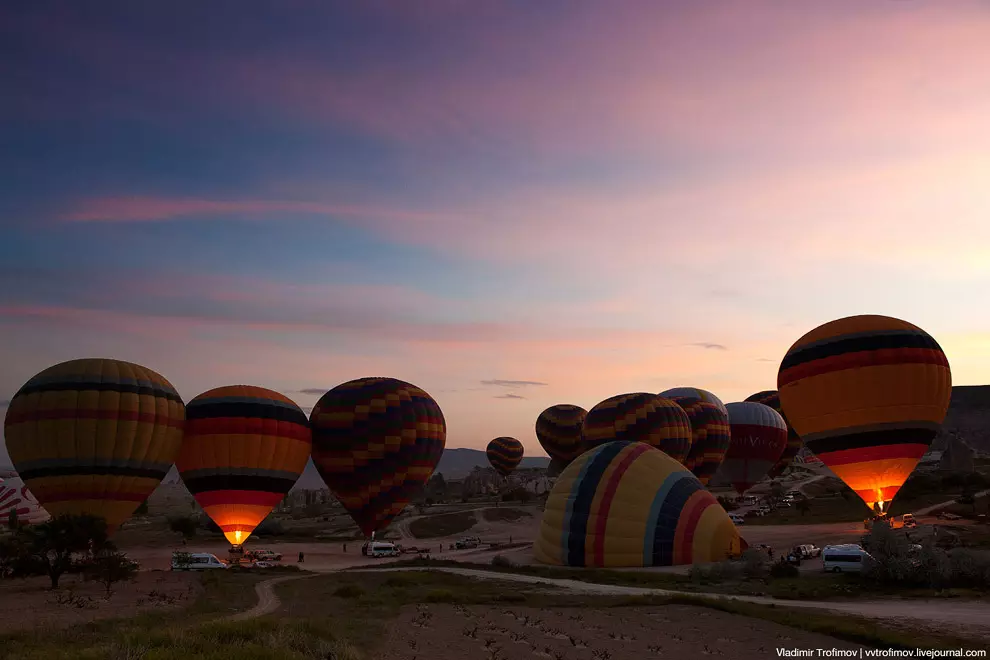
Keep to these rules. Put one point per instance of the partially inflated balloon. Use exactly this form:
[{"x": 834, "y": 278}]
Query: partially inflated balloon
[
  {"x": 94, "y": 436},
  {"x": 772, "y": 398},
  {"x": 504, "y": 454},
  {"x": 558, "y": 428},
  {"x": 639, "y": 417},
  {"x": 627, "y": 504},
  {"x": 244, "y": 449},
  {"x": 759, "y": 435},
  {"x": 376, "y": 442},
  {"x": 709, "y": 429},
  {"x": 867, "y": 394}
]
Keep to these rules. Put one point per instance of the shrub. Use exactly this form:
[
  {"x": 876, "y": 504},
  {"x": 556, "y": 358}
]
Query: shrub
[
  {"x": 727, "y": 503},
  {"x": 784, "y": 570},
  {"x": 755, "y": 564},
  {"x": 715, "y": 573},
  {"x": 503, "y": 561},
  {"x": 185, "y": 525},
  {"x": 970, "y": 567},
  {"x": 349, "y": 591}
]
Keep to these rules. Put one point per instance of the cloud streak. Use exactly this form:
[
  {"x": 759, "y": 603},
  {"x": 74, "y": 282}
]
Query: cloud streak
[
  {"x": 500, "y": 382},
  {"x": 710, "y": 345},
  {"x": 509, "y": 396}
]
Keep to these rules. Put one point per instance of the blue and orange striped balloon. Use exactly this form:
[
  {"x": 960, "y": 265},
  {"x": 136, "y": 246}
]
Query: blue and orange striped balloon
[
  {"x": 628, "y": 504},
  {"x": 244, "y": 449},
  {"x": 94, "y": 436},
  {"x": 376, "y": 442},
  {"x": 639, "y": 417},
  {"x": 504, "y": 454}
]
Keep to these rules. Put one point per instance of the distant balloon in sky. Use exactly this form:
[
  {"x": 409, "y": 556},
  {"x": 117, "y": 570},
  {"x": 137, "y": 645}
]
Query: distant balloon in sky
[
  {"x": 709, "y": 429},
  {"x": 94, "y": 436},
  {"x": 376, "y": 442},
  {"x": 639, "y": 417},
  {"x": 628, "y": 504},
  {"x": 558, "y": 428},
  {"x": 772, "y": 398},
  {"x": 867, "y": 394},
  {"x": 759, "y": 435},
  {"x": 504, "y": 454},
  {"x": 244, "y": 449}
]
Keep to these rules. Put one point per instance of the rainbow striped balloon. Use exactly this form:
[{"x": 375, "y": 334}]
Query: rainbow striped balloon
[
  {"x": 504, "y": 454},
  {"x": 628, "y": 504}
]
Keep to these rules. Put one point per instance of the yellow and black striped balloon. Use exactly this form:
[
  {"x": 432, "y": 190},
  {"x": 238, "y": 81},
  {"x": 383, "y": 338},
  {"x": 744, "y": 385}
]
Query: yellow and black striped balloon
[
  {"x": 867, "y": 394},
  {"x": 558, "y": 428},
  {"x": 639, "y": 417},
  {"x": 94, "y": 436},
  {"x": 504, "y": 454}
]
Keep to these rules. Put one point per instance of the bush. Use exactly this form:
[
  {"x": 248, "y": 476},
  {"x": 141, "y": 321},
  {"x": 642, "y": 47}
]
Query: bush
[
  {"x": 715, "y": 573},
  {"x": 970, "y": 567},
  {"x": 503, "y": 561},
  {"x": 784, "y": 570},
  {"x": 185, "y": 525},
  {"x": 727, "y": 503},
  {"x": 756, "y": 564},
  {"x": 349, "y": 591}
]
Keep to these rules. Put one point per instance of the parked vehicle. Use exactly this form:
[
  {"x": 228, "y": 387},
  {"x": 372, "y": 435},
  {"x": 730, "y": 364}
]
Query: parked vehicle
[
  {"x": 847, "y": 558},
  {"x": 907, "y": 520},
  {"x": 794, "y": 494},
  {"x": 265, "y": 555},
  {"x": 807, "y": 551},
  {"x": 379, "y": 549},
  {"x": 736, "y": 519},
  {"x": 196, "y": 561},
  {"x": 467, "y": 542}
]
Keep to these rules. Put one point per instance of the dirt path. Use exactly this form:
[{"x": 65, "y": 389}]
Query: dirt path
[
  {"x": 268, "y": 602},
  {"x": 969, "y": 616},
  {"x": 935, "y": 507}
]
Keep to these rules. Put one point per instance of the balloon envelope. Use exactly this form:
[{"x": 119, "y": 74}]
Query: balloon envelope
[
  {"x": 94, "y": 436},
  {"x": 376, "y": 442},
  {"x": 628, "y": 504},
  {"x": 772, "y": 398},
  {"x": 504, "y": 454},
  {"x": 639, "y": 417},
  {"x": 867, "y": 394},
  {"x": 709, "y": 429},
  {"x": 759, "y": 435},
  {"x": 244, "y": 449},
  {"x": 558, "y": 428}
]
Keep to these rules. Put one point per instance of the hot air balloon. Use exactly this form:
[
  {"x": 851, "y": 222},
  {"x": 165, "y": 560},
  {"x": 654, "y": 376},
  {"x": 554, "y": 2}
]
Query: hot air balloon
[
  {"x": 759, "y": 435},
  {"x": 376, "y": 442},
  {"x": 244, "y": 449},
  {"x": 867, "y": 394},
  {"x": 628, "y": 504},
  {"x": 709, "y": 429},
  {"x": 558, "y": 428},
  {"x": 94, "y": 436},
  {"x": 504, "y": 454},
  {"x": 772, "y": 398},
  {"x": 639, "y": 417}
]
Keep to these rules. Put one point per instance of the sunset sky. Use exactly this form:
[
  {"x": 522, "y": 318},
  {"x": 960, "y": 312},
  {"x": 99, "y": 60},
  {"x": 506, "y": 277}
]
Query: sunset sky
[{"x": 510, "y": 204}]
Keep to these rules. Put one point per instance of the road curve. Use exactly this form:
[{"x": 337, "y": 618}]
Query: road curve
[
  {"x": 970, "y": 616},
  {"x": 268, "y": 602}
]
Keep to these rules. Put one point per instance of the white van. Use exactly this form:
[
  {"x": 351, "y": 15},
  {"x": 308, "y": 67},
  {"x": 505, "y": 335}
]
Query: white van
[
  {"x": 379, "y": 549},
  {"x": 195, "y": 561},
  {"x": 847, "y": 558}
]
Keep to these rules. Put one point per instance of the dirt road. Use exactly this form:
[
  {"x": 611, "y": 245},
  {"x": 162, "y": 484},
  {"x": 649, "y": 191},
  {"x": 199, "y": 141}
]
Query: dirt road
[{"x": 268, "y": 601}]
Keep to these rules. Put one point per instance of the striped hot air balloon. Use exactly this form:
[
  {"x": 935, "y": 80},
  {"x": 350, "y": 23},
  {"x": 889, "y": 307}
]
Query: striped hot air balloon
[
  {"x": 772, "y": 398},
  {"x": 639, "y": 417},
  {"x": 376, "y": 442},
  {"x": 558, "y": 428},
  {"x": 504, "y": 454},
  {"x": 759, "y": 435},
  {"x": 709, "y": 429},
  {"x": 628, "y": 504},
  {"x": 94, "y": 436},
  {"x": 867, "y": 394},
  {"x": 244, "y": 449}
]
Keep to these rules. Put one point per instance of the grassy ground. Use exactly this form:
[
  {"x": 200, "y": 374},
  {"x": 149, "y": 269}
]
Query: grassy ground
[
  {"x": 504, "y": 514},
  {"x": 447, "y": 524},
  {"x": 346, "y": 615}
]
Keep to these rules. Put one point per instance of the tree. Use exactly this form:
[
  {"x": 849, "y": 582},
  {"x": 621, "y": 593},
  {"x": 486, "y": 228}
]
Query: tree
[
  {"x": 185, "y": 525},
  {"x": 53, "y": 544},
  {"x": 803, "y": 505},
  {"x": 110, "y": 567}
]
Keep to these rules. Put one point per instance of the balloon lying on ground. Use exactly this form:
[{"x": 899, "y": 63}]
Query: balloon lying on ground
[
  {"x": 709, "y": 429},
  {"x": 244, "y": 449},
  {"x": 504, "y": 454},
  {"x": 639, "y": 417},
  {"x": 867, "y": 394},
  {"x": 628, "y": 504},
  {"x": 772, "y": 398},
  {"x": 558, "y": 428},
  {"x": 759, "y": 435},
  {"x": 94, "y": 436},
  {"x": 376, "y": 442}
]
